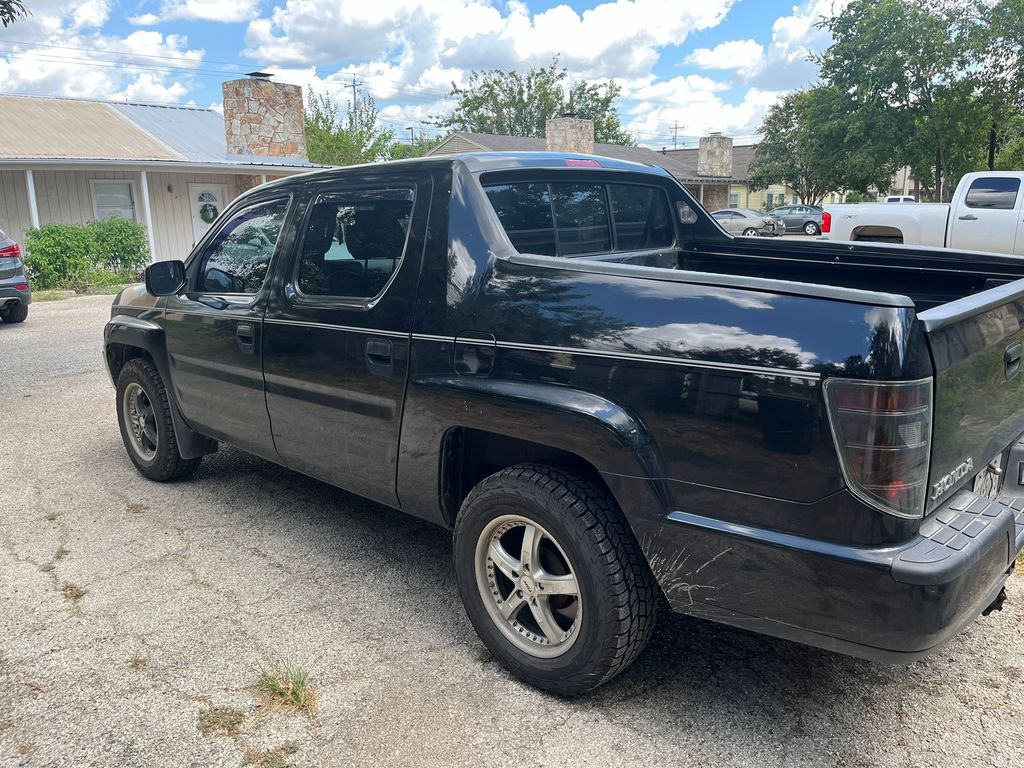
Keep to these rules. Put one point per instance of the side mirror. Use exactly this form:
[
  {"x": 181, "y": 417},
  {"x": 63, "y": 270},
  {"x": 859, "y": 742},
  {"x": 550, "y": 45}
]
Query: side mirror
[{"x": 165, "y": 278}]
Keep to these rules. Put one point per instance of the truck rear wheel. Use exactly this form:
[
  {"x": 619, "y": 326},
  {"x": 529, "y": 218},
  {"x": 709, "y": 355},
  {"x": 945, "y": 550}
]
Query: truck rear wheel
[
  {"x": 552, "y": 578},
  {"x": 144, "y": 416}
]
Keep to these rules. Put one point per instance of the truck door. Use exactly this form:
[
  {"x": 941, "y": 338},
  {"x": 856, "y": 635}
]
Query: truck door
[
  {"x": 336, "y": 346},
  {"x": 213, "y": 331},
  {"x": 987, "y": 216}
]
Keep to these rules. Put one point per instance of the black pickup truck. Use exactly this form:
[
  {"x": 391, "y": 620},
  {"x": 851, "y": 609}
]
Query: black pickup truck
[{"x": 607, "y": 398}]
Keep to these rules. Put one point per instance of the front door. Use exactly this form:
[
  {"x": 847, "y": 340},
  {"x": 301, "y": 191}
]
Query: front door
[
  {"x": 337, "y": 336},
  {"x": 206, "y": 202},
  {"x": 214, "y": 330},
  {"x": 986, "y": 218}
]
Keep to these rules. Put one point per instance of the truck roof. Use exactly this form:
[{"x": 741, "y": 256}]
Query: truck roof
[{"x": 481, "y": 162}]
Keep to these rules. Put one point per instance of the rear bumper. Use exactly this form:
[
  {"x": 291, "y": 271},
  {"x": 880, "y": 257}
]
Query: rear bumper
[
  {"x": 894, "y": 603},
  {"x": 9, "y": 294}
]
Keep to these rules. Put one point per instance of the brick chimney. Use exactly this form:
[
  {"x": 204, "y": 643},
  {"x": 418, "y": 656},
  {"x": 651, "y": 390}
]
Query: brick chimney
[
  {"x": 569, "y": 134},
  {"x": 263, "y": 118},
  {"x": 714, "y": 157}
]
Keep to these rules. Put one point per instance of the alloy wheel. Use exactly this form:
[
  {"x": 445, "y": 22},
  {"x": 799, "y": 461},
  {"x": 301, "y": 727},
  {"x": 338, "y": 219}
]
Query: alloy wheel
[
  {"x": 528, "y": 586},
  {"x": 140, "y": 418}
]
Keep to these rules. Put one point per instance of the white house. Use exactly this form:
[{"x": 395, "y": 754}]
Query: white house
[{"x": 171, "y": 168}]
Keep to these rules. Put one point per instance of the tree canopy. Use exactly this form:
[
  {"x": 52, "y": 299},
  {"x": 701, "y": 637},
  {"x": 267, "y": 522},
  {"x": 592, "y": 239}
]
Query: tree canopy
[
  {"x": 12, "y": 10},
  {"x": 515, "y": 103}
]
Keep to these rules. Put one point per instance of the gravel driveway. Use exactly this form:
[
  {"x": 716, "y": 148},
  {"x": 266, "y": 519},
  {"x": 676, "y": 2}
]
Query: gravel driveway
[{"x": 128, "y": 609}]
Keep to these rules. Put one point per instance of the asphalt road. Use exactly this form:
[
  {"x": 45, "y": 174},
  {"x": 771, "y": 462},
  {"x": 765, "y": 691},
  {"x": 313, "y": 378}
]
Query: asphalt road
[{"x": 189, "y": 587}]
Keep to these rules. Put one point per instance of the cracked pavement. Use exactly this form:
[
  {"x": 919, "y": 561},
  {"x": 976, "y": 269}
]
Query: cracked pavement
[{"x": 189, "y": 586}]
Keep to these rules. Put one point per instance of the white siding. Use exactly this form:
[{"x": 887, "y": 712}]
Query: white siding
[
  {"x": 172, "y": 216},
  {"x": 66, "y": 197},
  {"x": 15, "y": 218}
]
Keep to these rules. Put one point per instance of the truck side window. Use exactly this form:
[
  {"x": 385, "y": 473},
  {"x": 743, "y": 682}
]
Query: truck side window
[
  {"x": 641, "y": 217},
  {"x": 525, "y": 212},
  {"x": 581, "y": 214},
  {"x": 995, "y": 193},
  {"x": 354, "y": 242},
  {"x": 239, "y": 256}
]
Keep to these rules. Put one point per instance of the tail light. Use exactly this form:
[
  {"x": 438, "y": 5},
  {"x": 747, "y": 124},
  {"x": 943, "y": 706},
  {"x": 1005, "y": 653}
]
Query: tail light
[
  {"x": 826, "y": 221},
  {"x": 11, "y": 250},
  {"x": 883, "y": 437}
]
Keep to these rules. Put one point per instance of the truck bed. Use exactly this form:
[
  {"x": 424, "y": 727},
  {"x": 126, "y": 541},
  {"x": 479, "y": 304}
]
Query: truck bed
[{"x": 929, "y": 277}]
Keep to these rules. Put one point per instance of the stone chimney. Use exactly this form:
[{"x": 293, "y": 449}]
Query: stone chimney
[
  {"x": 714, "y": 157},
  {"x": 263, "y": 118},
  {"x": 570, "y": 134}
]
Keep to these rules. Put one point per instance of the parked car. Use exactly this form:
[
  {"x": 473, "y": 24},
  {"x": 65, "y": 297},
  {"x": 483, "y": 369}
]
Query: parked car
[
  {"x": 608, "y": 399},
  {"x": 15, "y": 294},
  {"x": 748, "y": 222},
  {"x": 901, "y": 199},
  {"x": 799, "y": 218},
  {"x": 986, "y": 214}
]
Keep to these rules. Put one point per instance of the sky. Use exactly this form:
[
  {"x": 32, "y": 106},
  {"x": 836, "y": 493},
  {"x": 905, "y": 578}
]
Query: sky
[{"x": 686, "y": 67}]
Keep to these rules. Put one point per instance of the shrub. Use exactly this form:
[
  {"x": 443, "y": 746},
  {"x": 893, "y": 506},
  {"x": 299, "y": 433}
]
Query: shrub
[{"x": 75, "y": 256}]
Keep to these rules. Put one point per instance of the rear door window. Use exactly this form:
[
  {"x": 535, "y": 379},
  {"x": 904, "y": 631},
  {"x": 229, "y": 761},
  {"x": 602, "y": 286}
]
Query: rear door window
[
  {"x": 994, "y": 193},
  {"x": 579, "y": 218}
]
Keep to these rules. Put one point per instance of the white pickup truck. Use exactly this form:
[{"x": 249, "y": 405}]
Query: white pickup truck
[{"x": 986, "y": 214}]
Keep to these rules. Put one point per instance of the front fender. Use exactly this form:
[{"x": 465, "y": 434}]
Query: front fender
[
  {"x": 599, "y": 431},
  {"x": 126, "y": 332}
]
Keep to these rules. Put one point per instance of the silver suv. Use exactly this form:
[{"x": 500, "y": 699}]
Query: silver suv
[{"x": 15, "y": 295}]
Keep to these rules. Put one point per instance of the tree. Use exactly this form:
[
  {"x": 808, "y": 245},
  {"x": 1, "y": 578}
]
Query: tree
[
  {"x": 515, "y": 103},
  {"x": 356, "y": 137},
  {"x": 418, "y": 147},
  {"x": 12, "y": 10},
  {"x": 917, "y": 60},
  {"x": 817, "y": 142},
  {"x": 999, "y": 31}
]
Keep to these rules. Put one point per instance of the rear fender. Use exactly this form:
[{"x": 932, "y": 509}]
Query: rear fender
[{"x": 602, "y": 433}]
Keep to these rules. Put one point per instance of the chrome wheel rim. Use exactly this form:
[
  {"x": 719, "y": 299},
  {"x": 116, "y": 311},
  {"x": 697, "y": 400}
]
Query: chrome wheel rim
[
  {"x": 810, "y": 229},
  {"x": 140, "y": 419},
  {"x": 750, "y": 232},
  {"x": 528, "y": 586}
]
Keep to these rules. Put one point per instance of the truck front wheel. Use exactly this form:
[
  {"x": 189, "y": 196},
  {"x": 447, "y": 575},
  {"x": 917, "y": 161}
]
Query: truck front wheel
[
  {"x": 552, "y": 578},
  {"x": 144, "y": 416}
]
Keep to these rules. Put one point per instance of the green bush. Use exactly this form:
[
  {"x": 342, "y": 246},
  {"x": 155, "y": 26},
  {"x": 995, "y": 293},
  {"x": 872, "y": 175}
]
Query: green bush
[{"x": 76, "y": 256}]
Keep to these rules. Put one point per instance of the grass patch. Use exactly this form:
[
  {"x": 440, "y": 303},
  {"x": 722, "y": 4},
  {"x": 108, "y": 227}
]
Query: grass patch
[
  {"x": 73, "y": 593},
  {"x": 51, "y": 515},
  {"x": 221, "y": 721},
  {"x": 138, "y": 663},
  {"x": 52, "y": 295},
  {"x": 47, "y": 567},
  {"x": 61, "y": 553},
  {"x": 286, "y": 687},
  {"x": 136, "y": 508},
  {"x": 271, "y": 758}
]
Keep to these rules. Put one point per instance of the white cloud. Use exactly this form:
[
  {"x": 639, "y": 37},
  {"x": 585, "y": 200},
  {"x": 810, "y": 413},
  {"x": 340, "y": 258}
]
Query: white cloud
[
  {"x": 743, "y": 56},
  {"x": 144, "y": 20},
  {"x": 226, "y": 11}
]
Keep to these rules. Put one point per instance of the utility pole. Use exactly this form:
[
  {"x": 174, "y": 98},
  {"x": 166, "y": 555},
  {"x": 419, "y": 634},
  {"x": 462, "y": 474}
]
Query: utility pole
[
  {"x": 675, "y": 135},
  {"x": 412, "y": 135},
  {"x": 992, "y": 148},
  {"x": 355, "y": 111}
]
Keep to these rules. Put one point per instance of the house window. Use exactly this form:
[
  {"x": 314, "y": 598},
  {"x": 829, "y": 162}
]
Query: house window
[
  {"x": 795, "y": 200},
  {"x": 113, "y": 198},
  {"x": 770, "y": 200},
  {"x": 734, "y": 199}
]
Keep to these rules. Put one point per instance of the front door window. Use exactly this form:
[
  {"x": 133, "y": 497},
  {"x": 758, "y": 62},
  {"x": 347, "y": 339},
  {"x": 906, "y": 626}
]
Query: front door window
[{"x": 206, "y": 201}]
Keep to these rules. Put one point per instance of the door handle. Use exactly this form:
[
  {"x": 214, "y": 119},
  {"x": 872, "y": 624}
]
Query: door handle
[
  {"x": 968, "y": 217},
  {"x": 1011, "y": 359},
  {"x": 378, "y": 357},
  {"x": 246, "y": 335}
]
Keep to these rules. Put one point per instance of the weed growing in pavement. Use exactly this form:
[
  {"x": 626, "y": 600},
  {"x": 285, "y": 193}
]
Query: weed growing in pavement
[
  {"x": 271, "y": 758},
  {"x": 222, "y": 721},
  {"x": 286, "y": 687},
  {"x": 50, "y": 516},
  {"x": 47, "y": 567},
  {"x": 136, "y": 508},
  {"x": 61, "y": 553},
  {"x": 138, "y": 663},
  {"x": 72, "y": 592}
]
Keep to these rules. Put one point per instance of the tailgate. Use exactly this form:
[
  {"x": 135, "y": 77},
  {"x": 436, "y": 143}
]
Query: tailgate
[{"x": 976, "y": 344}]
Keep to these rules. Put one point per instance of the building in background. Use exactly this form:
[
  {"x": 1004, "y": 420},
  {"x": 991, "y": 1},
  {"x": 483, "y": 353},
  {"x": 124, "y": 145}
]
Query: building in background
[{"x": 172, "y": 169}]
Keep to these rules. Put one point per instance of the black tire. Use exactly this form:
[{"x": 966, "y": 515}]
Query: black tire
[
  {"x": 15, "y": 315},
  {"x": 616, "y": 590},
  {"x": 166, "y": 463},
  {"x": 751, "y": 232},
  {"x": 812, "y": 229}
]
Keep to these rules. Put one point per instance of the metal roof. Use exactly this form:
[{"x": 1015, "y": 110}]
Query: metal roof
[{"x": 51, "y": 129}]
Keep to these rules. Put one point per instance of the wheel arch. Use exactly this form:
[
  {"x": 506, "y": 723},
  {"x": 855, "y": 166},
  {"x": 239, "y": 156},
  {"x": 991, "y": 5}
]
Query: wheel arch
[
  {"x": 127, "y": 338},
  {"x": 484, "y": 425}
]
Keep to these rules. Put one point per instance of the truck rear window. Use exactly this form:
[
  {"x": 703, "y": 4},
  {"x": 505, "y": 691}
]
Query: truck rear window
[{"x": 577, "y": 218}]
